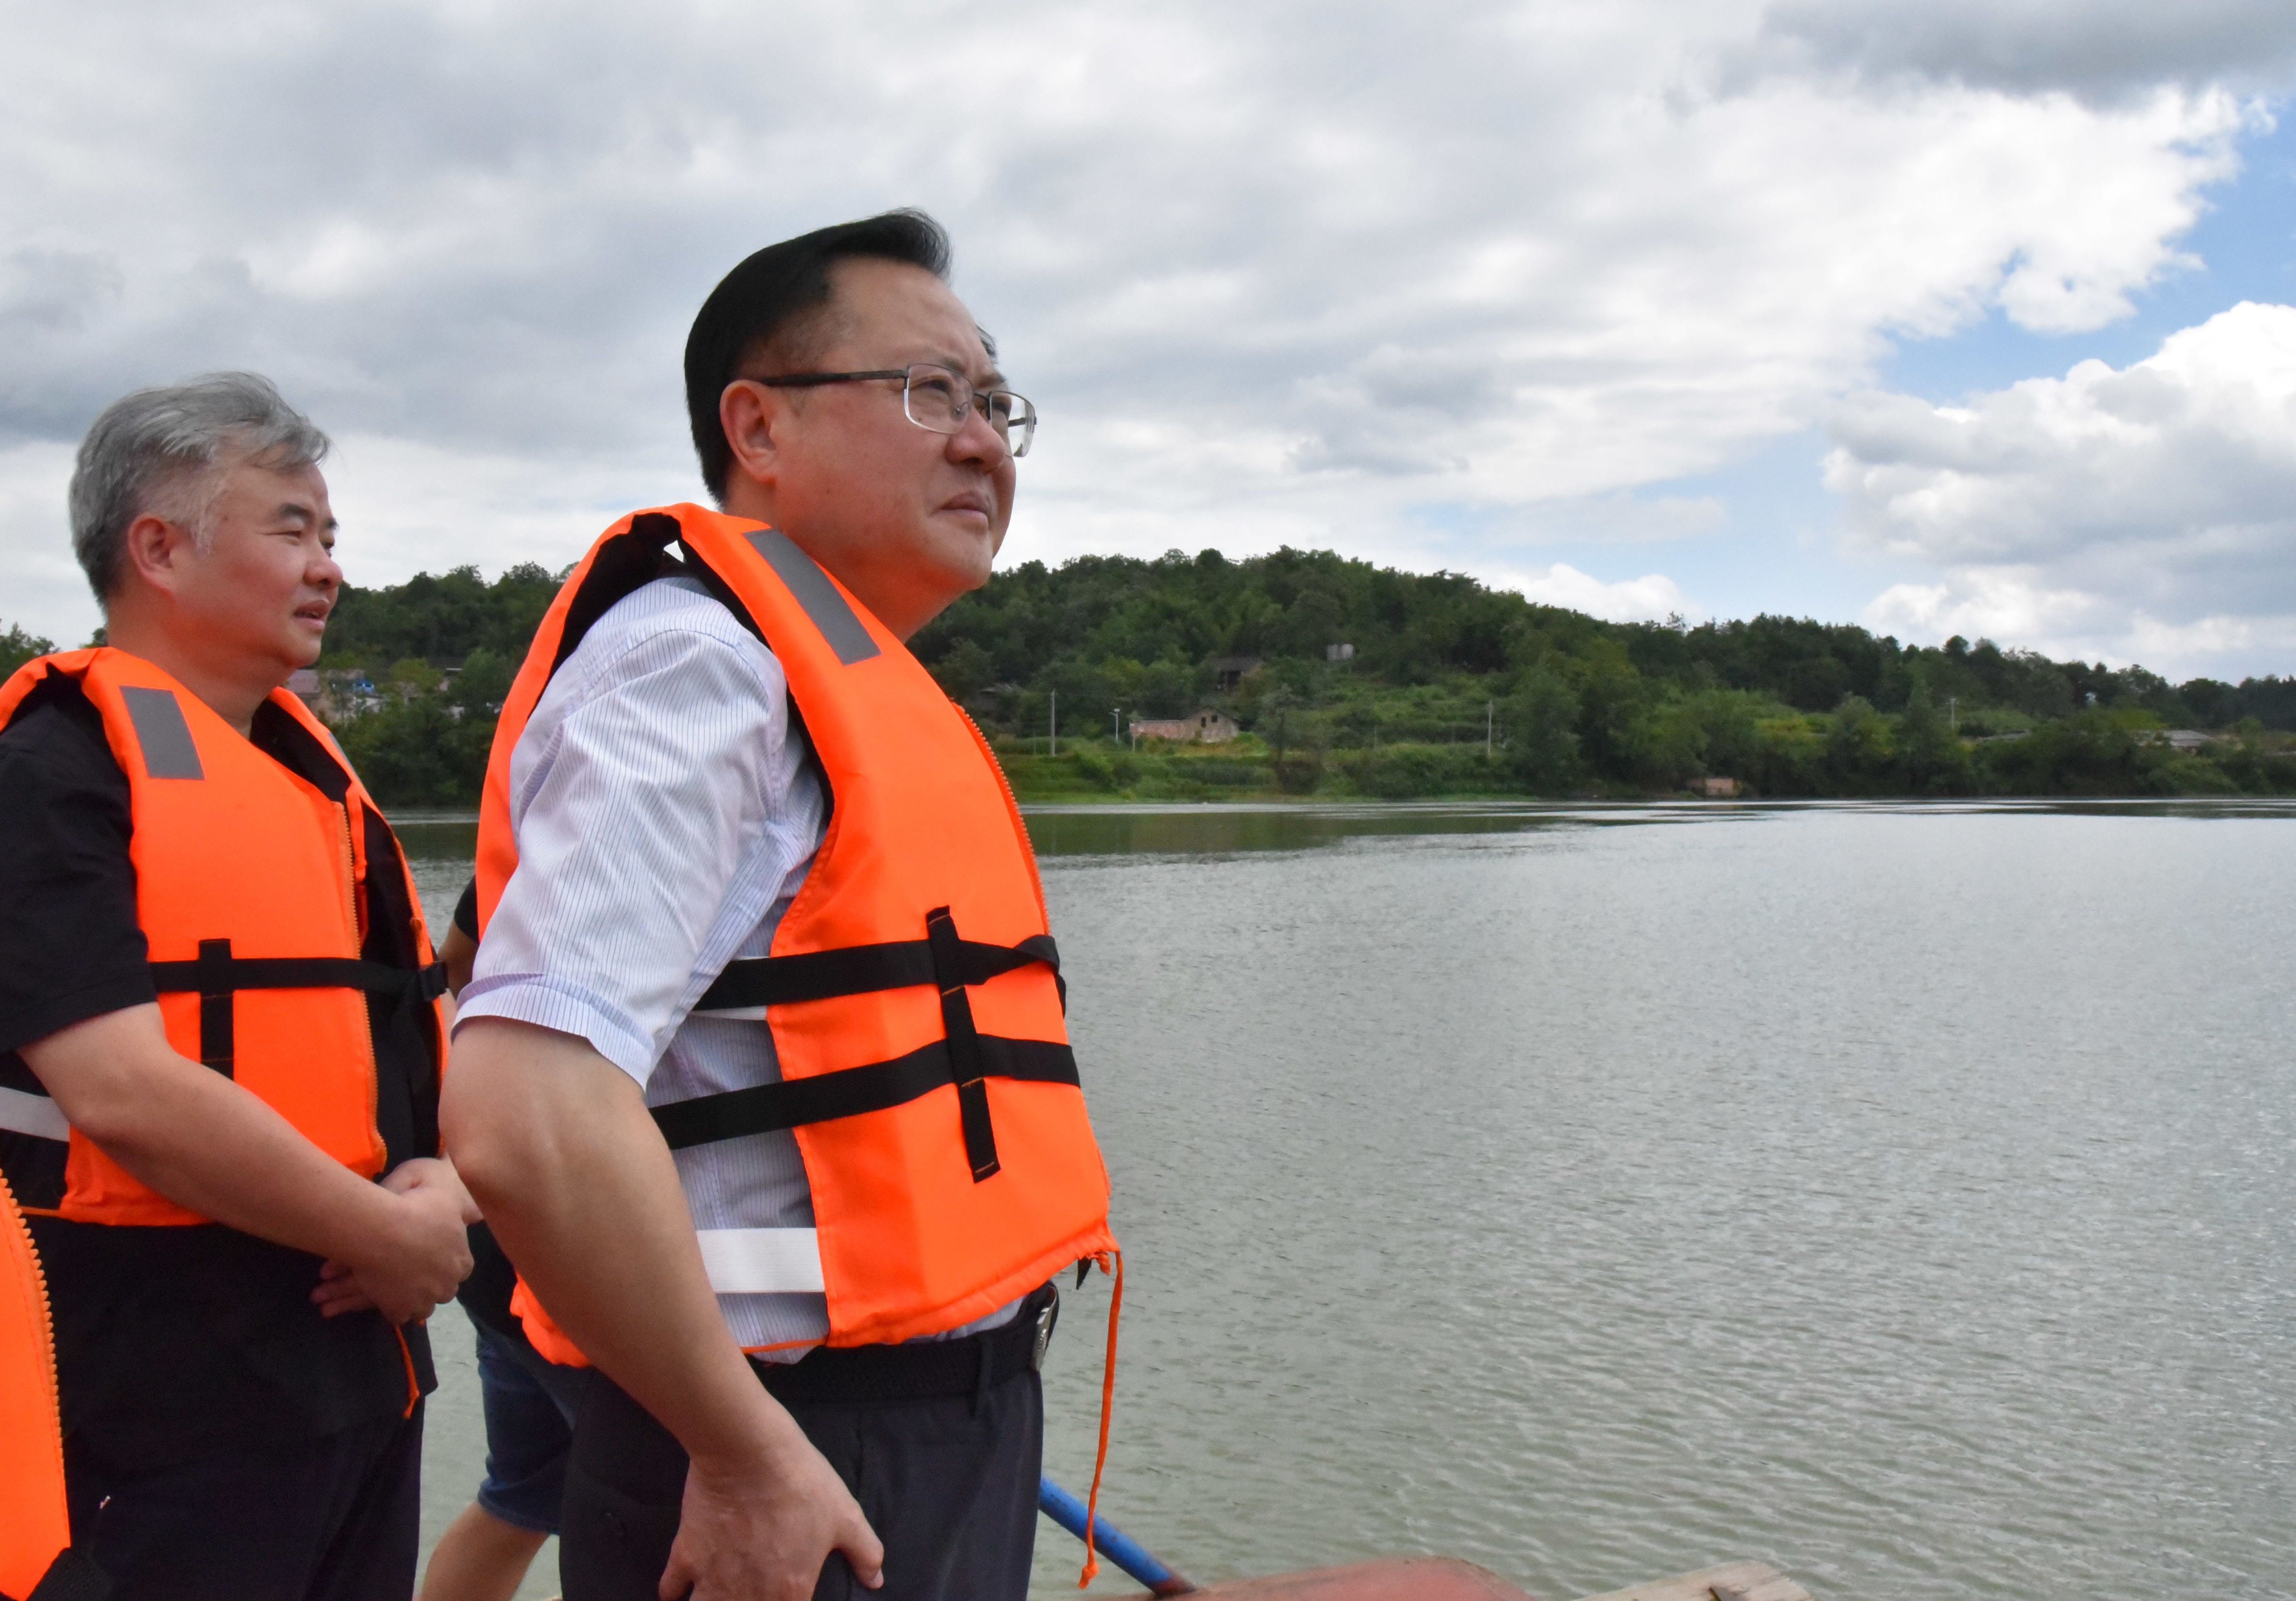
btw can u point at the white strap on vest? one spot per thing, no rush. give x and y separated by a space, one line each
762 1262
24 1113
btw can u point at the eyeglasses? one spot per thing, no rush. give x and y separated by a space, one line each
937 398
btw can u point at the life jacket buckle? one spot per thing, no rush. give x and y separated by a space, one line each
1046 1316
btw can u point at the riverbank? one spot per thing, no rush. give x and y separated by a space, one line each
2078 758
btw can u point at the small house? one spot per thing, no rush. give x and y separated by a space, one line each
1205 727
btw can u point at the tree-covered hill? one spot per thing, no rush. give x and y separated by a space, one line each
1115 628
1345 678
444 618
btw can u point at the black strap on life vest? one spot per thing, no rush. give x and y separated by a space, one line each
966 1061
864 969
965 1056
217 976
853 1090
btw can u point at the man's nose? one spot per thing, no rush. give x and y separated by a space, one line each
978 440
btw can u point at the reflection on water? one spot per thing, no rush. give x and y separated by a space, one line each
1899 1195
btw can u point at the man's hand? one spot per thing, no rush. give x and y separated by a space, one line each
413 1266
559 1149
207 1144
762 1532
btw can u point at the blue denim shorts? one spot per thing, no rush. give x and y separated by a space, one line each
529 1406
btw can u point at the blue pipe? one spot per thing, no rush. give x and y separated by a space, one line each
1120 1548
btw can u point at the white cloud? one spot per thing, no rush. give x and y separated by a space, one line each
408 507
1998 604
2018 606
2116 511
1652 598
1275 274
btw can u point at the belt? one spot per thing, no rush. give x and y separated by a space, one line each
920 1370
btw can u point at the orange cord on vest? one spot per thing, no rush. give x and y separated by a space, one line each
1107 1404
413 1383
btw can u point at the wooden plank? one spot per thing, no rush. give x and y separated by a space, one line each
1731 1581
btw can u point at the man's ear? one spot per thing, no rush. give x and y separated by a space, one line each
156 552
752 416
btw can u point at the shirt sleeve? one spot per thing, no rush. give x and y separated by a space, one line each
639 804
71 945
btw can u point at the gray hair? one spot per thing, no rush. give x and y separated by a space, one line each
158 450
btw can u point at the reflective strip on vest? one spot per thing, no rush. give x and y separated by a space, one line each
22 1112
762 1262
166 738
817 594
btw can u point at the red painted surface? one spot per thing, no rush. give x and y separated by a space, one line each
1395 1578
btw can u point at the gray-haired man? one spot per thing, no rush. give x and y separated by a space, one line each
216 1031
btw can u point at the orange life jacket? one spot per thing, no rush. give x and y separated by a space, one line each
253 889
36 1536
912 989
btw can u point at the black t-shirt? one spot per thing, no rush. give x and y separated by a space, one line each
170 1341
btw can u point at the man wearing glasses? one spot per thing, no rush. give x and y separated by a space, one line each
821 1313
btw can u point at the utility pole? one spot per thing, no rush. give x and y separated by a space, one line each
1488 708
1052 724
1116 725
1952 711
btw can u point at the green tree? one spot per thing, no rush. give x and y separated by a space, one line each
17 647
2088 753
1611 694
412 676
1540 723
964 672
1860 753
1665 744
1930 754
482 686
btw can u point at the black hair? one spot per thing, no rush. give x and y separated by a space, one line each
757 303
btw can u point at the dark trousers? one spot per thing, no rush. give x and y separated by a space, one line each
333 1518
949 1484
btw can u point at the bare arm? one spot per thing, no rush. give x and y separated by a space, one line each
556 1143
207 1144
458 953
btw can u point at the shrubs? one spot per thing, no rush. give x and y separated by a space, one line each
1417 772
421 751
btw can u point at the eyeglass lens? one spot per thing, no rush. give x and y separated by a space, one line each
940 400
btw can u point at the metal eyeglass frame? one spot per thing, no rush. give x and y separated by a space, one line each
1023 419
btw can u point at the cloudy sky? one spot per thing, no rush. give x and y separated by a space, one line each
1943 316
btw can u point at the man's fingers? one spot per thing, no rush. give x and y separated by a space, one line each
343 1296
865 1553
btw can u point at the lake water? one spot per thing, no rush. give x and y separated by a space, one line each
1900 1196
